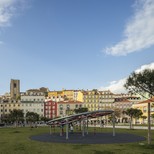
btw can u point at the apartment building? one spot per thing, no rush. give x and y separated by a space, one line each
96 100
7 106
33 101
50 109
55 96
67 107
143 106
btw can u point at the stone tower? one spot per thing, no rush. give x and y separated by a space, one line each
14 89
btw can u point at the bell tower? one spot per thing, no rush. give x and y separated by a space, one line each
14 89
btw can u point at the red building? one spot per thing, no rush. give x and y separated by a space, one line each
50 109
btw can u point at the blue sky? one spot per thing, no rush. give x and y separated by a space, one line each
74 44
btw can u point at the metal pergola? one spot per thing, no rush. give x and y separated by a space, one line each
81 117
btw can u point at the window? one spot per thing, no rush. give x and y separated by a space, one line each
68 107
61 107
14 85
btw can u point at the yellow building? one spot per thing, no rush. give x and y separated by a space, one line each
65 94
55 93
96 100
80 96
5 108
69 94
143 106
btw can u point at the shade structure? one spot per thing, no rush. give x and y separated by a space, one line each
79 117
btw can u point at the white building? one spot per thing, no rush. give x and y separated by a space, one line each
33 101
33 96
37 107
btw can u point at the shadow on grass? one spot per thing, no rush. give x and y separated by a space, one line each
16 131
80 146
143 146
149 146
103 152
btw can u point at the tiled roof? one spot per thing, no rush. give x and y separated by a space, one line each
69 102
123 101
147 101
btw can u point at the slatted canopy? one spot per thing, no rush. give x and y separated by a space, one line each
78 117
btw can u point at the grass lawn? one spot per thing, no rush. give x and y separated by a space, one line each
16 141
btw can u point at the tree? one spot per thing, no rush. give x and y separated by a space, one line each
16 116
117 112
143 117
81 110
6 118
133 113
152 115
140 83
32 117
45 119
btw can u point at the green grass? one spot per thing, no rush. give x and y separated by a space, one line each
16 141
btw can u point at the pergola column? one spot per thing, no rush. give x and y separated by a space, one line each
50 129
66 129
83 127
87 126
113 120
61 130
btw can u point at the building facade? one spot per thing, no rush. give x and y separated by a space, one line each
50 109
33 101
6 107
96 100
65 108
143 106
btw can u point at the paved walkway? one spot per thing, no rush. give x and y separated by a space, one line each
127 127
91 138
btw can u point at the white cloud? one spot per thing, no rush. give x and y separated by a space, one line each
8 9
117 86
139 31
143 67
